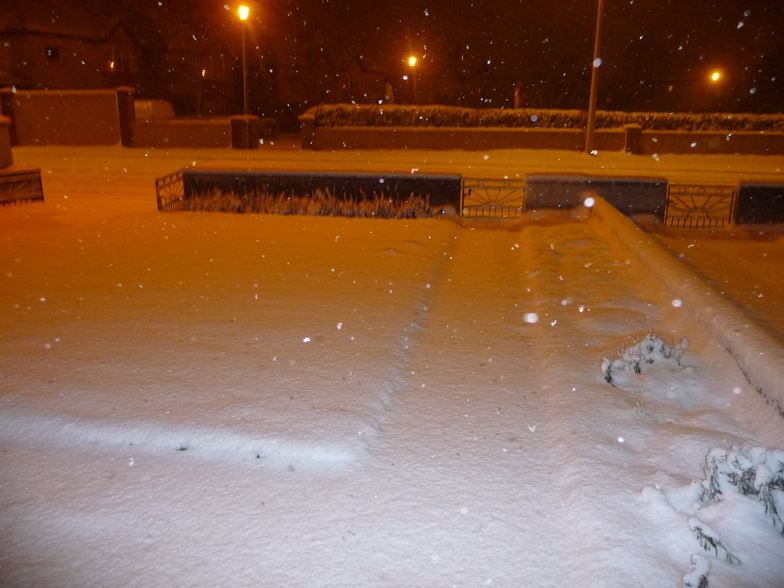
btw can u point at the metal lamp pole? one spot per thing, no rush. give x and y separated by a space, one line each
244 11
412 61
597 61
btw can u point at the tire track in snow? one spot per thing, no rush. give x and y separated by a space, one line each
415 319
251 391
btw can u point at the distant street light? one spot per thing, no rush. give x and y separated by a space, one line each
715 76
412 61
243 12
597 61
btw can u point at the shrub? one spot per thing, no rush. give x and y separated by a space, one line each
370 115
321 203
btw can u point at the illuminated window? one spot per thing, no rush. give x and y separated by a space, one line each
215 67
119 61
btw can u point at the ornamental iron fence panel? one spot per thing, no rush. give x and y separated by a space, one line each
20 186
492 198
699 206
170 192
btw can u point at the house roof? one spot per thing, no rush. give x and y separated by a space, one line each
153 24
76 18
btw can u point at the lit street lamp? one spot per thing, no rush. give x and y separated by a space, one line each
412 61
243 12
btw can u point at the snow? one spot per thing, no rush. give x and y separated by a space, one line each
209 399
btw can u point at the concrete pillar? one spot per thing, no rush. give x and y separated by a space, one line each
127 112
307 126
6 158
633 138
245 131
7 109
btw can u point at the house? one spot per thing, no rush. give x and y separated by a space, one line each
48 44
360 82
53 44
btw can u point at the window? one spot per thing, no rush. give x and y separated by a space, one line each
351 83
215 67
52 54
119 61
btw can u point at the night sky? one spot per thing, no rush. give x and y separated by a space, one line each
645 43
649 46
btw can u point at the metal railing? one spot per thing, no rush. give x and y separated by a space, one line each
689 205
20 186
699 206
170 191
492 198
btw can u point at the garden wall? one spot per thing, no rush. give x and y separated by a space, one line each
242 132
629 195
760 203
708 142
631 138
471 139
69 117
195 133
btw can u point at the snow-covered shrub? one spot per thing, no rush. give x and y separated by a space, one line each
698 577
755 472
709 540
638 358
372 115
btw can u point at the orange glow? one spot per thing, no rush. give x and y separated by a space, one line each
412 61
715 76
243 11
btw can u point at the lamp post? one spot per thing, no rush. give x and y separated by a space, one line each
597 61
243 12
715 90
412 61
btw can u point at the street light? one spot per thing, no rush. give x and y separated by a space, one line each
243 12
412 61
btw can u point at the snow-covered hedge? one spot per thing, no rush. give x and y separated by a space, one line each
364 115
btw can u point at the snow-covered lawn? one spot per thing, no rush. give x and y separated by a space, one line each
223 400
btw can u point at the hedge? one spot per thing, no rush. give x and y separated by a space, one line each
338 115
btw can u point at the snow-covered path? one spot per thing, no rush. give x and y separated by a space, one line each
200 400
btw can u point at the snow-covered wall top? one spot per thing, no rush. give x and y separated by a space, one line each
758 354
